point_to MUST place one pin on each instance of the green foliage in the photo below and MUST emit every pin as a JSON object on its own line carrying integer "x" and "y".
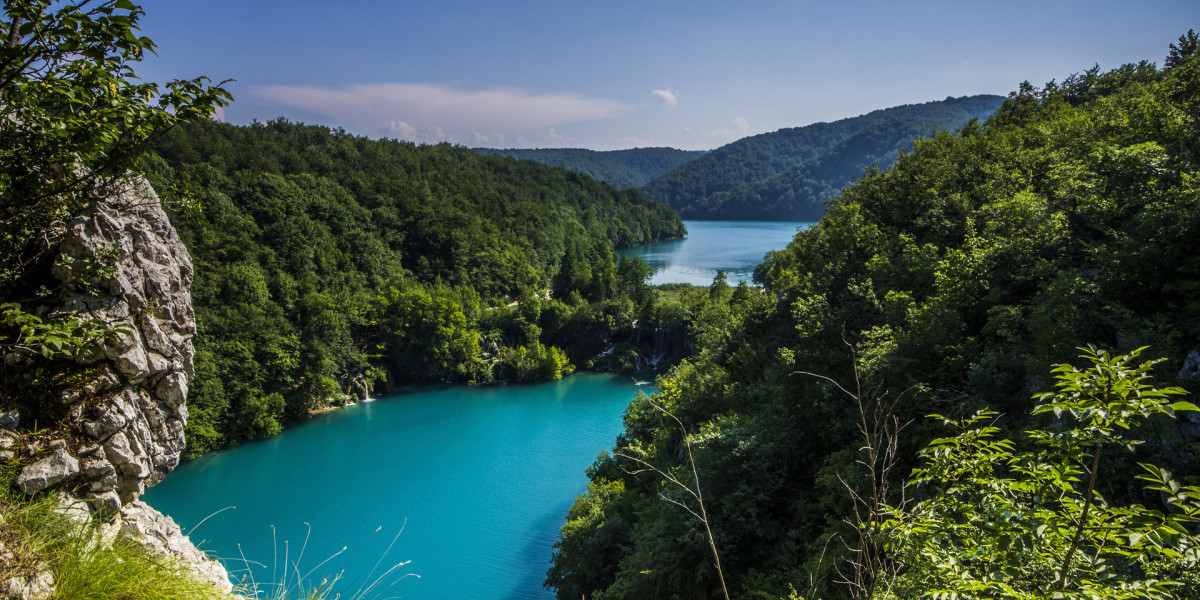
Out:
{"x": 621, "y": 168}
{"x": 87, "y": 563}
{"x": 1001, "y": 522}
{"x": 75, "y": 116}
{"x": 962, "y": 274}
{"x": 588, "y": 535}
{"x": 1189, "y": 45}
{"x": 536, "y": 363}
{"x": 789, "y": 174}
{"x": 326, "y": 263}
{"x": 29, "y": 335}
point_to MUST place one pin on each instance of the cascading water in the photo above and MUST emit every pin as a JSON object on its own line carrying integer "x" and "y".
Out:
{"x": 366, "y": 389}
{"x": 660, "y": 345}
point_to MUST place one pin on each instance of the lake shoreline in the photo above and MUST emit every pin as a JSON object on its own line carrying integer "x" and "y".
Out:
{"x": 735, "y": 247}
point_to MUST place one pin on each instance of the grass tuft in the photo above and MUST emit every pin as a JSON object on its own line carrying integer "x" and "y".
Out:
{"x": 85, "y": 565}
{"x": 290, "y": 582}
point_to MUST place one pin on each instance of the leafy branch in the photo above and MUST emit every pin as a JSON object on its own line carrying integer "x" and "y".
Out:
{"x": 1031, "y": 524}
{"x": 71, "y": 337}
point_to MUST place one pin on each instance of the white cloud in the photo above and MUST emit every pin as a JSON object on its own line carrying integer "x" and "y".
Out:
{"x": 218, "y": 114}
{"x": 734, "y": 130}
{"x": 669, "y": 96}
{"x": 434, "y": 113}
{"x": 398, "y": 129}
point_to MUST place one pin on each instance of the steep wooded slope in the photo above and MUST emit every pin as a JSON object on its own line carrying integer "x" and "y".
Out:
{"x": 788, "y": 174}
{"x": 326, "y": 263}
{"x": 960, "y": 276}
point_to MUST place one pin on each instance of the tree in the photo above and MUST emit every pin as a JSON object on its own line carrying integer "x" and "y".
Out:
{"x": 74, "y": 117}
{"x": 1189, "y": 45}
{"x": 689, "y": 485}
{"x": 1001, "y": 519}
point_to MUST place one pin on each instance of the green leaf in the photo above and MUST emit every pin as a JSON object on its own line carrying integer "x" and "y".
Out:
{"x": 1182, "y": 405}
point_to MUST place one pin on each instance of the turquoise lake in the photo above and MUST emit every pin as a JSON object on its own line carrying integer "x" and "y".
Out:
{"x": 476, "y": 480}
{"x": 735, "y": 247}
{"x": 479, "y": 478}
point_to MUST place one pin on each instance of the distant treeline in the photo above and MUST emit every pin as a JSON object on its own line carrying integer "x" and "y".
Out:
{"x": 326, "y": 262}
{"x": 789, "y": 174}
{"x": 622, "y": 168}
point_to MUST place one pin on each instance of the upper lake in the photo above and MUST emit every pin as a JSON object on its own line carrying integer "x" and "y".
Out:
{"x": 735, "y": 247}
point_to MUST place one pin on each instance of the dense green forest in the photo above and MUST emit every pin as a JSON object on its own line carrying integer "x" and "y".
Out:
{"x": 327, "y": 263}
{"x": 788, "y": 175}
{"x": 623, "y": 168}
{"x": 950, "y": 283}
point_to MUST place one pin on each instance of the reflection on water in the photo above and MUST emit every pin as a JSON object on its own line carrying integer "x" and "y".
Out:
{"x": 735, "y": 247}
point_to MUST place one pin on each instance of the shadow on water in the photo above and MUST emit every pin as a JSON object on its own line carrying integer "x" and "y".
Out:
{"x": 535, "y": 558}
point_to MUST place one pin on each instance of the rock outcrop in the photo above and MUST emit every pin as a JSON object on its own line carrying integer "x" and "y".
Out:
{"x": 158, "y": 533}
{"x": 124, "y": 266}
{"x": 47, "y": 472}
{"x": 133, "y": 411}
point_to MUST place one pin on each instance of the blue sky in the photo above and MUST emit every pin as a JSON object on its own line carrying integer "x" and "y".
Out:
{"x": 620, "y": 74}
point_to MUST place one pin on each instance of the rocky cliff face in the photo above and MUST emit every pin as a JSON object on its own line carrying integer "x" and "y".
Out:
{"x": 134, "y": 411}
{"x": 126, "y": 416}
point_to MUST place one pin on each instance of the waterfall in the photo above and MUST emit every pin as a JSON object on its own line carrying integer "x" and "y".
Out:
{"x": 366, "y": 389}
{"x": 660, "y": 346}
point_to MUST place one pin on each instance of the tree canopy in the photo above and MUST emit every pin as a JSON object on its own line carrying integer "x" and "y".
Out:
{"x": 329, "y": 264}
{"x": 788, "y": 175}
{"x": 961, "y": 275}
{"x": 623, "y": 168}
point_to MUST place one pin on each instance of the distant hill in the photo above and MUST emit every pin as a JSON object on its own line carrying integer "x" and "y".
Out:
{"x": 788, "y": 174}
{"x": 622, "y": 168}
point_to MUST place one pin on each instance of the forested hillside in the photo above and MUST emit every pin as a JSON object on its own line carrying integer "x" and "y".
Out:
{"x": 789, "y": 174}
{"x": 959, "y": 277}
{"x": 622, "y": 168}
{"x": 326, "y": 263}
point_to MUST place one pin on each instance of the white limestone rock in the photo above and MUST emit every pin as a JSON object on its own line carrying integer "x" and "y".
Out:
{"x": 141, "y": 413}
{"x": 43, "y": 474}
{"x": 160, "y": 534}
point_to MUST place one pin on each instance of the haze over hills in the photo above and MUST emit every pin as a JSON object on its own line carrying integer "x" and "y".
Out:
{"x": 789, "y": 173}
{"x": 623, "y": 168}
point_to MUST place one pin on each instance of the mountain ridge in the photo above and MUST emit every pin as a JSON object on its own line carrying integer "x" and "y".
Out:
{"x": 632, "y": 167}
{"x": 769, "y": 176}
